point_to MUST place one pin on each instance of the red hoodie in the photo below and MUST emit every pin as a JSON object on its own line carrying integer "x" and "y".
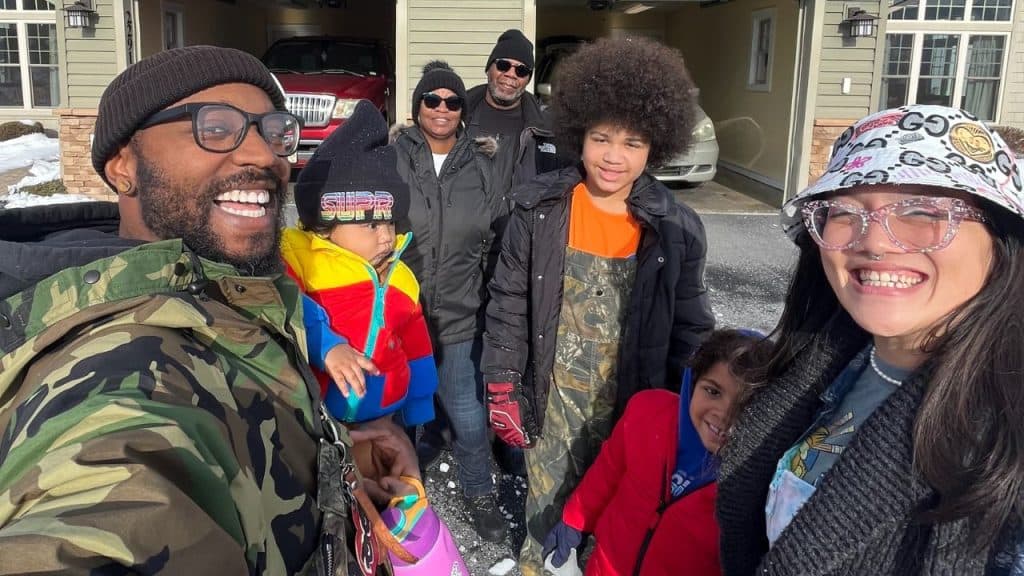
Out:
{"x": 625, "y": 500}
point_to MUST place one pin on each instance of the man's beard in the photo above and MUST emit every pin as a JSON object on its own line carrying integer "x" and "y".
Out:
{"x": 169, "y": 213}
{"x": 502, "y": 101}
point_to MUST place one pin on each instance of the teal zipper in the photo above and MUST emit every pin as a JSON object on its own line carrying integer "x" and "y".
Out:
{"x": 376, "y": 316}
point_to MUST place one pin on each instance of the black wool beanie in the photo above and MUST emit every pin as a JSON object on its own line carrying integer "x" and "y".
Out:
{"x": 353, "y": 175}
{"x": 437, "y": 74}
{"x": 156, "y": 82}
{"x": 512, "y": 44}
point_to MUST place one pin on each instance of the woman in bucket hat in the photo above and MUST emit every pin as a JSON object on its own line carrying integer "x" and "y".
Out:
{"x": 889, "y": 435}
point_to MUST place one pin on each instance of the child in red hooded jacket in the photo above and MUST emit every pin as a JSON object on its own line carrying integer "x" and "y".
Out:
{"x": 649, "y": 498}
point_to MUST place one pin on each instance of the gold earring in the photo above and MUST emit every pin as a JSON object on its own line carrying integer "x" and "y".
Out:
{"x": 126, "y": 187}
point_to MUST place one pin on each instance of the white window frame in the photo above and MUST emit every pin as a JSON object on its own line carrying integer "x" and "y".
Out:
{"x": 968, "y": 9}
{"x": 756, "y": 18}
{"x": 960, "y": 78}
{"x": 179, "y": 14}
{"x": 21, "y": 19}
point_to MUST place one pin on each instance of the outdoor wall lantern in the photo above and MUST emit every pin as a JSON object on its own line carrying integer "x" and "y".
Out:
{"x": 860, "y": 24}
{"x": 79, "y": 14}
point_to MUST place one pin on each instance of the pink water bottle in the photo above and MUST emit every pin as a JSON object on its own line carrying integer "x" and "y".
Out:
{"x": 415, "y": 524}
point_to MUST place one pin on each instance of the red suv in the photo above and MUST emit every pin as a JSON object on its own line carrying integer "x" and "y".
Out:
{"x": 324, "y": 76}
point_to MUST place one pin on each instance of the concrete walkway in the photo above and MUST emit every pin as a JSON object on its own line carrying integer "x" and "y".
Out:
{"x": 715, "y": 198}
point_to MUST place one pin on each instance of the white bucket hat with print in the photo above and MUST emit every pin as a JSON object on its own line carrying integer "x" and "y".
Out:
{"x": 923, "y": 145}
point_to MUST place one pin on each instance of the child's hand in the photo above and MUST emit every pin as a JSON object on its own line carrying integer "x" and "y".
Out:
{"x": 346, "y": 365}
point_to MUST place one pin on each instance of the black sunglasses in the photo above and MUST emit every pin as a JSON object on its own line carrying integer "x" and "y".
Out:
{"x": 522, "y": 70}
{"x": 222, "y": 128}
{"x": 431, "y": 100}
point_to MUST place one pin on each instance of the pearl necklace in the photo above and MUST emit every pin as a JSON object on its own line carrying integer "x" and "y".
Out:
{"x": 883, "y": 375}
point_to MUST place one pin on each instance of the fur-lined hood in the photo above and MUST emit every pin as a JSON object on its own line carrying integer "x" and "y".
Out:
{"x": 486, "y": 145}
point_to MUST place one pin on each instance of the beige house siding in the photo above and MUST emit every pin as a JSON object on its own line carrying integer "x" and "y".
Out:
{"x": 461, "y": 32}
{"x": 752, "y": 125}
{"x": 859, "y": 59}
{"x": 88, "y": 57}
{"x": 1013, "y": 90}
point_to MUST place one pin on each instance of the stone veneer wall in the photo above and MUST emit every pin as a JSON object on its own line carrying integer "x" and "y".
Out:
{"x": 825, "y": 133}
{"x": 76, "y": 171}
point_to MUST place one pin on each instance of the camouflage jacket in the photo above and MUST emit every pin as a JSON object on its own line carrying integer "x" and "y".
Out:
{"x": 148, "y": 428}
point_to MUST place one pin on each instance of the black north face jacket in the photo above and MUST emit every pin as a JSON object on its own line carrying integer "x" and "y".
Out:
{"x": 668, "y": 313}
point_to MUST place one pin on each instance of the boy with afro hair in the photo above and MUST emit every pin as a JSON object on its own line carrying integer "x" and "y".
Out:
{"x": 599, "y": 290}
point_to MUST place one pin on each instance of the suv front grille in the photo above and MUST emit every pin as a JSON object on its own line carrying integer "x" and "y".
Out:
{"x": 314, "y": 109}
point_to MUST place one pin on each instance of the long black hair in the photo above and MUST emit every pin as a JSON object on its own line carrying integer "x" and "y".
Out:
{"x": 969, "y": 432}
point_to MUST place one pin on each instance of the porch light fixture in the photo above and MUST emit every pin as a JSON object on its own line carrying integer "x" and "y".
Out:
{"x": 637, "y": 8}
{"x": 79, "y": 14}
{"x": 859, "y": 23}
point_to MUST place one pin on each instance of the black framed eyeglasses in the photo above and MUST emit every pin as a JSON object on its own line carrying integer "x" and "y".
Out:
{"x": 522, "y": 70}
{"x": 453, "y": 103}
{"x": 222, "y": 128}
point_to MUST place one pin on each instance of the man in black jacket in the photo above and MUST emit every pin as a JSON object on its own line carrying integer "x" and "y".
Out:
{"x": 504, "y": 109}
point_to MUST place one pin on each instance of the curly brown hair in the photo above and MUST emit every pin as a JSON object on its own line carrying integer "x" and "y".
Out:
{"x": 636, "y": 84}
{"x": 1014, "y": 138}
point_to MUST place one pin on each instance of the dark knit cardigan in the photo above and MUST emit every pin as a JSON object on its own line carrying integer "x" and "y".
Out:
{"x": 860, "y": 520}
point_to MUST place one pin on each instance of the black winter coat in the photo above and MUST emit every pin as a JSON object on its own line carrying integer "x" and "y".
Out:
{"x": 454, "y": 218}
{"x": 668, "y": 315}
{"x": 516, "y": 163}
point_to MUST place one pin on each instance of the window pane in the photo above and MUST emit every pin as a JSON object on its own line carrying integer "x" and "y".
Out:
{"x": 42, "y": 43}
{"x": 937, "y": 91}
{"x": 8, "y": 4}
{"x": 894, "y": 92}
{"x": 984, "y": 69}
{"x": 991, "y": 10}
{"x": 10, "y": 86}
{"x": 896, "y": 73}
{"x": 908, "y": 13}
{"x": 938, "y": 56}
{"x": 38, "y": 5}
{"x": 945, "y": 9}
{"x": 938, "y": 69}
{"x": 45, "y": 86}
{"x": 898, "y": 50}
{"x": 8, "y": 43}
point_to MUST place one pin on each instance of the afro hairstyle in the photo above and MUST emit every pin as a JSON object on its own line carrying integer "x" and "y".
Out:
{"x": 1014, "y": 138}
{"x": 636, "y": 84}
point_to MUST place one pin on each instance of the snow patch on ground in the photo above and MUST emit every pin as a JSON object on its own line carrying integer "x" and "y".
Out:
{"x": 502, "y": 568}
{"x": 41, "y": 171}
{"x": 23, "y": 151}
{"x": 24, "y": 200}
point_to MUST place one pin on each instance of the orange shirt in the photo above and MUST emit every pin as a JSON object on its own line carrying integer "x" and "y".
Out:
{"x": 600, "y": 233}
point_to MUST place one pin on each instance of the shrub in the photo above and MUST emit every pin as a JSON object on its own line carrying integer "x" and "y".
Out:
{"x": 45, "y": 188}
{"x": 12, "y": 130}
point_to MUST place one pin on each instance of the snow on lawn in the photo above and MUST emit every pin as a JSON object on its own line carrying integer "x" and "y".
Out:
{"x": 23, "y": 151}
{"x": 41, "y": 171}
{"x": 24, "y": 200}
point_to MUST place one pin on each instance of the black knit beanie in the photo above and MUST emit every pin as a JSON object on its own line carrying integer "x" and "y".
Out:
{"x": 437, "y": 74}
{"x": 353, "y": 175}
{"x": 156, "y": 82}
{"x": 512, "y": 44}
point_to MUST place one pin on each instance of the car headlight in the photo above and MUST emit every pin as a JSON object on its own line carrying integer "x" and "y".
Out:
{"x": 704, "y": 131}
{"x": 344, "y": 108}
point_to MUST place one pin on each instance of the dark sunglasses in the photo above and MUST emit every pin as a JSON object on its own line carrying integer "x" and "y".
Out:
{"x": 522, "y": 70}
{"x": 431, "y": 100}
{"x": 221, "y": 128}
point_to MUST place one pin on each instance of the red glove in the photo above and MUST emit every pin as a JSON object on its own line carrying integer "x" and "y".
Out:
{"x": 505, "y": 416}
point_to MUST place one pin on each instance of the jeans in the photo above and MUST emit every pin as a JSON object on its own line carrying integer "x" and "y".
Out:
{"x": 460, "y": 393}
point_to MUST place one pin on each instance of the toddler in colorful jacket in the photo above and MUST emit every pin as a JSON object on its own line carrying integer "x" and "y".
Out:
{"x": 346, "y": 257}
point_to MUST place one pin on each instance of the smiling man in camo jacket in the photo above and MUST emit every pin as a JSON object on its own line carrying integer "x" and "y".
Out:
{"x": 156, "y": 411}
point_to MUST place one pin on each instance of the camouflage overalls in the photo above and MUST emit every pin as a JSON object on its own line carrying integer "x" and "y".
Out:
{"x": 578, "y": 416}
